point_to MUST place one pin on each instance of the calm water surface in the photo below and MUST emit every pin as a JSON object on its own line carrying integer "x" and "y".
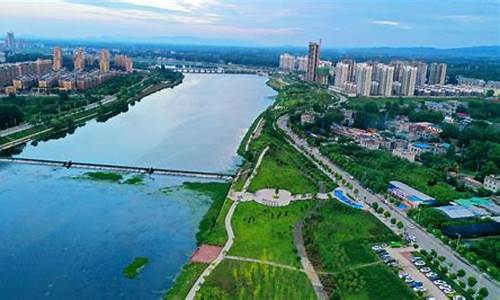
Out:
{"x": 64, "y": 237}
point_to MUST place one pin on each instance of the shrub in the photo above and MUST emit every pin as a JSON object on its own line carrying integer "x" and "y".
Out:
{"x": 400, "y": 225}
{"x": 483, "y": 292}
{"x": 472, "y": 281}
{"x": 461, "y": 273}
{"x": 393, "y": 221}
{"x": 387, "y": 214}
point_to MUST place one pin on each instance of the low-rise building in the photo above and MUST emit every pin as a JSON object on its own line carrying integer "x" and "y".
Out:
{"x": 492, "y": 183}
{"x": 410, "y": 196}
{"x": 404, "y": 154}
{"x": 308, "y": 117}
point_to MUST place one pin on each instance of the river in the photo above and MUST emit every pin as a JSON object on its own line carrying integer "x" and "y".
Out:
{"x": 67, "y": 237}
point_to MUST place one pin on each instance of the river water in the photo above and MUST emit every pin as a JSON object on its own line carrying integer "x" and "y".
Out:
{"x": 66, "y": 237}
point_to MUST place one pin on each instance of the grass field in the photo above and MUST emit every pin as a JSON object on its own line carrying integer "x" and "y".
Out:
{"x": 244, "y": 280}
{"x": 285, "y": 168}
{"x": 185, "y": 281}
{"x": 265, "y": 231}
{"x": 338, "y": 239}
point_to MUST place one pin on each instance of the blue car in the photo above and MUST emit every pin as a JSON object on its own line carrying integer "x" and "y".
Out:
{"x": 415, "y": 284}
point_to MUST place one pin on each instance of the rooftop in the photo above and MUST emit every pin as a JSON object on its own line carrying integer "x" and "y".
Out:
{"x": 412, "y": 194}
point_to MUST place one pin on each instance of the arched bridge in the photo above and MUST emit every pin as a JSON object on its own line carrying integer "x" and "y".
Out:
{"x": 118, "y": 168}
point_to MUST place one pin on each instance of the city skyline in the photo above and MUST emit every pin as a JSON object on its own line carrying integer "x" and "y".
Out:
{"x": 340, "y": 23}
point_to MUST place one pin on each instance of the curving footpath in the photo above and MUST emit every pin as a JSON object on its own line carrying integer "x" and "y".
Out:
{"x": 230, "y": 234}
{"x": 424, "y": 239}
{"x": 230, "y": 239}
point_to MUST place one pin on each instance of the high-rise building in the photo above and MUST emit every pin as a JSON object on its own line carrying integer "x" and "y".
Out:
{"x": 398, "y": 69}
{"x": 341, "y": 74}
{"x": 287, "y": 62}
{"x": 363, "y": 79}
{"x": 57, "y": 59}
{"x": 384, "y": 75}
{"x": 437, "y": 74}
{"x": 79, "y": 60}
{"x": 352, "y": 69}
{"x": 10, "y": 41}
{"x": 312, "y": 61}
{"x": 124, "y": 62}
{"x": 421, "y": 73}
{"x": 104, "y": 61}
{"x": 408, "y": 80}
{"x": 301, "y": 63}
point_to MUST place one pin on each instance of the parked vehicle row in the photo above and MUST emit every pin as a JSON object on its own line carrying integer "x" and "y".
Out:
{"x": 434, "y": 277}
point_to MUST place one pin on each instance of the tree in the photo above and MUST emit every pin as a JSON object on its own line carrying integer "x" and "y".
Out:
{"x": 393, "y": 221}
{"x": 472, "y": 281}
{"x": 400, "y": 224}
{"x": 490, "y": 93}
{"x": 387, "y": 214}
{"x": 461, "y": 273}
{"x": 483, "y": 292}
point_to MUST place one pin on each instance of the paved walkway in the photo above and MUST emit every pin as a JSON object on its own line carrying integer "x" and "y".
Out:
{"x": 230, "y": 239}
{"x": 424, "y": 239}
{"x": 265, "y": 262}
{"x": 255, "y": 170}
{"x": 230, "y": 234}
{"x": 306, "y": 263}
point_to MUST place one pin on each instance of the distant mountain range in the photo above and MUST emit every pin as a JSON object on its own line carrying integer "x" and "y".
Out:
{"x": 492, "y": 52}
{"x": 479, "y": 51}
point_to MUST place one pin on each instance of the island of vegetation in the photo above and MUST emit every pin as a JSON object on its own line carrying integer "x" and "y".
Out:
{"x": 132, "y": 270}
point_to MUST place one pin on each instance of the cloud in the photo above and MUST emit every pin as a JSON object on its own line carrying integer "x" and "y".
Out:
{"x": 386, "y": 22}
{"x": 463, "y": 18}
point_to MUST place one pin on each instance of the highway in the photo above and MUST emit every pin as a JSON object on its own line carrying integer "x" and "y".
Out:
{"x": 423, "y": 238}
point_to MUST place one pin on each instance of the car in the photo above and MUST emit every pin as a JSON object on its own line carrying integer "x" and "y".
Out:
{"x": 415, "y": 284}
{"x": 449, "y": 291}
{"x": 425, "y": 270}
{"x": 444, "y": 287}
{"x": 403, "y": 275}
{"x": 439, "y": 282}
{"x": 419, "y": 263}
{"x": 377, "y": 248}
{"x": 432, "y": 276}
{"x": 420, "y": 289}
{"x": 415, "y": 258}
{"x": 408, "y": 279}
{"x": 458, "y": 297}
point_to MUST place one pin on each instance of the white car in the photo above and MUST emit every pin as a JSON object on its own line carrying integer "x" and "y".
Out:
{"x": 439, "y": 282}
{"x": 431, "y": 274}
{"x": 408, "y": 279}
{"x": 425, "y": 270}
{"x": 420, "y": 289}
{"x": 419, "y": 263}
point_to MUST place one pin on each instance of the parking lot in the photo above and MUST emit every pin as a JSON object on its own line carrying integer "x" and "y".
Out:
{"x": 403, "y": 256}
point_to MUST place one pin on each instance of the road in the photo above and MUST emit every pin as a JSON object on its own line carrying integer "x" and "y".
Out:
{"x": 424, "y": 239}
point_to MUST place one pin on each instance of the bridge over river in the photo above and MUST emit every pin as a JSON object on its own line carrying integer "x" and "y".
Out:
{"x": 118, "y": 168}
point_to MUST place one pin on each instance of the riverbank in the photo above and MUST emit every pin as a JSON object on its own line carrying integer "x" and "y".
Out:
{"x": 75, "y": 119}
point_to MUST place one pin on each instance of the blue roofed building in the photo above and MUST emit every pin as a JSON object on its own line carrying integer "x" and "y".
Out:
{"x": 410, "y": 196}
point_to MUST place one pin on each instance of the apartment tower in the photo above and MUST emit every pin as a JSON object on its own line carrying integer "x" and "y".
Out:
{"x": 57, "y": 59}
{"x": 312, "y": 61}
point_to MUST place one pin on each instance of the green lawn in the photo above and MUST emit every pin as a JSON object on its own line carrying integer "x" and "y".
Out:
{"x": 267, "y": 231}
{"x": 244, "y": 280}
{"x": 185, "y": 281}
{"x": 378, "y": 282}
{"x": 285, "y": 168}
{"x": 338, "y": 238}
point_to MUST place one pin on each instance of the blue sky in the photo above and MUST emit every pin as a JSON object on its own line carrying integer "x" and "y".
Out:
{"x": 340, "y": 23}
